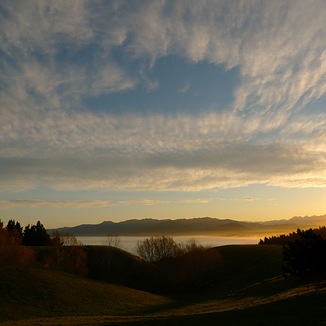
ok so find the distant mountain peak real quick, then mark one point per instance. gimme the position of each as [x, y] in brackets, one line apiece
[198, 225]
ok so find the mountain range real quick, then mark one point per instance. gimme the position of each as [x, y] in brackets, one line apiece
[194, 226]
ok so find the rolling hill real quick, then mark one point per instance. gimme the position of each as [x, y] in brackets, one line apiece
[247, 288]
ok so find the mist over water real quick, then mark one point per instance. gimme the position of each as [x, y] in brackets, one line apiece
[128, 243]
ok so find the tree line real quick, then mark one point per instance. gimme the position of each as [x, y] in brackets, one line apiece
[33, 235]
[292, 236]
[304, 252]
[33, 245]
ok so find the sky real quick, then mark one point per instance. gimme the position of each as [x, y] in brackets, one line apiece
[114, 110]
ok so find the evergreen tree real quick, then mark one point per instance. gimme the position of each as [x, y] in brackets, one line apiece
[306, 255]
[15, 230]
[36, 235]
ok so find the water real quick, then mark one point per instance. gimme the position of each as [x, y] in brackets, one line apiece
[129, 243]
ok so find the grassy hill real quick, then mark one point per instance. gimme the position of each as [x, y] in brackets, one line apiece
[245, 287]
[33, 292]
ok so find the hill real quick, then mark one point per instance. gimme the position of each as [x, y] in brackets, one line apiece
[204, 225]
[35, 293]
[245, 288]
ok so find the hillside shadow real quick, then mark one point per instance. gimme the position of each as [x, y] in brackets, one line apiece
[300, 310]
[268, 290]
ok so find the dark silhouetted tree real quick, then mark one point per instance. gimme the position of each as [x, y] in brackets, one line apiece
[15, 231]
[283, 239]
[10, 250]
[3, 235]
[36, 235]
[305, 255]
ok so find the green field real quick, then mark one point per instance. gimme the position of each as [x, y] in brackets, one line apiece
[245, 287]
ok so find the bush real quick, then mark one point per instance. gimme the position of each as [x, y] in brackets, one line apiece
[16, 255]
[157, 248]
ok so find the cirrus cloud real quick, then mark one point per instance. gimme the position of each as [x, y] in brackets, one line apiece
[57, 55]
[32, 203]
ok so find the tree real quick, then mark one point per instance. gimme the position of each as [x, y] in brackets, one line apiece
[64, 239]
[306, 255]
[15, 231]
[36, 235]
[192, 245]
[113, 241]
[10, 251]
[8, 237]
[67, 253]
[3, 235]
[157, 248]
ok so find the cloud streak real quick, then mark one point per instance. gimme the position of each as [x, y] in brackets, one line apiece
[35, 203]
[248, 199]
[143, 202]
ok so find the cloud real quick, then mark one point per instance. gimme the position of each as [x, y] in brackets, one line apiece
[57, 54]
[32, 203]
[87, 151]
[248, 198]
[50, 59]
[195, 201]
[279, 47]
[185, 88]
[142, 202]
[281, 60]
[241, 199]
[279, 55]
[213, 167]
[26, 24]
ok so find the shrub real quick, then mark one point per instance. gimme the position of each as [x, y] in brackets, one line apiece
[17, 255]
[157, 248]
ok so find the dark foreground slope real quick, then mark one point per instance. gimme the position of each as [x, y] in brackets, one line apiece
[245, 288]
[32, 292]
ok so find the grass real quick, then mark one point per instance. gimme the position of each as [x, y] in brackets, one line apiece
[247, 288]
